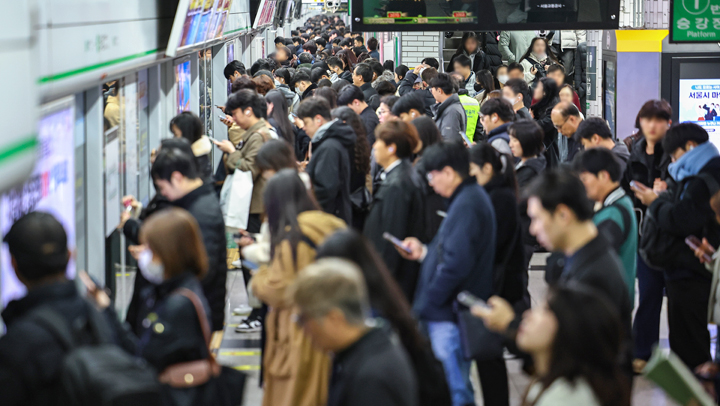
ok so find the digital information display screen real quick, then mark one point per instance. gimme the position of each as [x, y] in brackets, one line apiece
[700, 104]
[482, 15]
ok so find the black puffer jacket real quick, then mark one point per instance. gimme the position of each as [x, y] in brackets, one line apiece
[639, 169]
[493, 56]
[330, 168]
[581, 71]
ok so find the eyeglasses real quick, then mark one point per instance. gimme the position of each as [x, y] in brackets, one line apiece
[557, 127]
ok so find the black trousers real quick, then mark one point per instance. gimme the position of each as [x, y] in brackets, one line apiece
[494, 382]
[687, 319]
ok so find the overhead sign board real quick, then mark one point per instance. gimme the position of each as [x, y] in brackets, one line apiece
[695, 21]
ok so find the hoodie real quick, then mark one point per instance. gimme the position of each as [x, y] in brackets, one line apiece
[450, 118]
[292, 98]
[386, 75]
[406, 86]
[330, 168]
[500, 139]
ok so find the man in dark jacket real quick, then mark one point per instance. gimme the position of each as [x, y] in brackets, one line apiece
[329, 167]
[176, 177]
[685, 211]
[566, 118]
[333, 305]
[448, 113]
[460, 258]
[426, 74]
[362, 78]
[303, 85]
[30, 356]
[353, 97]
[496, 116]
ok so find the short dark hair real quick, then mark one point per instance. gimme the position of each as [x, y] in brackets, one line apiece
[284, 73]
[519, 86]
[171, 160]
[410, 101]
[679, 134]
[232, 67]
[260, 64]
[359, 39]
[428, 75]
[324, 83]
[297, 39]
[349, 94]
[314, 106]
[372, 44]
[347, 42]
[334, 61]
[463, 61]
[389, 65]
[305, 58]
[320, 41]
[554, 68]
[247, 98]
[340, 85]
[310, 47]
[189, 125]
[316, 74]
[327, 93]
[444, 82]
[654, 109]
[402, 134]
[530, 136]
[365, 71]
[376, 66]
[596, 160]
[432, 62]
[514, 65]
[401, 71]
[452, 154]
[389, 100]
[300, 76]
[279, 40]
[385, 88]
[38, 242]
[498, 106]
[560, 186]
[243, 82]
[592, 126]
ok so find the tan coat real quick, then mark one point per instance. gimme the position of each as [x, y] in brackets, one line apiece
[244, 159]
[295, 372]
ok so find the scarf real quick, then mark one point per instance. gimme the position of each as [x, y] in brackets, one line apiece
[692, 161]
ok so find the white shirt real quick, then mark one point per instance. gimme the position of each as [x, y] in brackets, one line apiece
[563, 393]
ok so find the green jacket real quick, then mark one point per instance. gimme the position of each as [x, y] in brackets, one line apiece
[612, 223]
[472, 111]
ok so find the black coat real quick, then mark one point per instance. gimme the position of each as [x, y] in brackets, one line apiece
[479, 62]
[397, 209]
[433, 203]
[406, 86]
[309, 92]
[330, 168]
[525, 175]
[347, 75]
[372, 98]
[639, 168]
[493, 56]
[361, 373]
[30, 356]
[370, 120]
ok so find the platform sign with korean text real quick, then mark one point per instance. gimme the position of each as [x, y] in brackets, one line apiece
[695, 21]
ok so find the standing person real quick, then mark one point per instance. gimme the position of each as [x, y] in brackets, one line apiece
[330, 165]
[459, 258]
[397, 206]
[494, 172]
[359, 165]
[284, 78]
[353, 97]
[337, 66]
[387, 301]
[434, 203]
[486, 85]
[490, 45]
[557, 73]
[333, 307]
[384, 112]
[362, 78]
[248, 109]
[501, 76]
[546, 94]
[565, 44]
[517, 92]
[536, 61]
[372, 45]
[496, 116]
[303, 84]
[294, 373]
[463, 66]
[600, 171]
[683, 212]
[187, 125]
[595, 133]
[566, 118]
[422, 75]
[278, 116]
[449, 114]
[648, 164]
[470, 48]
[513, 44]
[473, 131]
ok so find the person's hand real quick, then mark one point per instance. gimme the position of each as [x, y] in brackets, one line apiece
[130, 200]
[222, 108]
[228, 121]
[416, 249]
[302, 165]
[659, 186]
[533, 70]
[224, 145]
[153, 155]
[135, 250]
[94, 293]
[299, 123]
[245, 240]
[704, 249]
[419, 68]
[124, 217]
[643, 193]
[547, 67]
[498, 317]
[708, 371]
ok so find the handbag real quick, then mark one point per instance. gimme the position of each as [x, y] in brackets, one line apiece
[214, 384]
[235, 198]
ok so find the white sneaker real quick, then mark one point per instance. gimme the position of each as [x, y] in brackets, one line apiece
[237, 264]
[242, 310]
[246, 326]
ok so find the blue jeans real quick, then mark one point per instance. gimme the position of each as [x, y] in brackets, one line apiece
[445, 342]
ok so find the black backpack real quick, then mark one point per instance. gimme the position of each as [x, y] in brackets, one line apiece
[659, 249]
[99, 373]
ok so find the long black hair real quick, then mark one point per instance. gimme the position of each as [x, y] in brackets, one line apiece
[548, 51]
[549, 99]
[280, 115]
[466, 36]
[587, 344]
[502, 164]
[189, 125]
[385, 294]
[485, 79]
[285, 197]
[362, 146]
[428, 132]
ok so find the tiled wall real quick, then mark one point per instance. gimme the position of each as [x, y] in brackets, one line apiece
[416, 46]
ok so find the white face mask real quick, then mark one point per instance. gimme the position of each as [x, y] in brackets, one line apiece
[502, 78]
[153, 272]
[511, 100]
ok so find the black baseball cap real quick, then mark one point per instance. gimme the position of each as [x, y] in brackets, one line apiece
[38, 240]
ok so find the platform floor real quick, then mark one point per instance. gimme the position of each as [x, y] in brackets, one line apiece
[242, 350]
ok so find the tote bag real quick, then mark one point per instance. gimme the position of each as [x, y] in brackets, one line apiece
[235, 198]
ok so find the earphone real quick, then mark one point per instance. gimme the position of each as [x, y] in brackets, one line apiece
[391, 149]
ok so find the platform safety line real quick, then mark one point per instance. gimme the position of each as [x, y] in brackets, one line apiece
[240, 353]
[247, 367]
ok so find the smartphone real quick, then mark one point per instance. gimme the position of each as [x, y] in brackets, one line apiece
[222, 116]
[238, 236]
[396, 242]
[249, 265]
[694, 243]
[470, 300]
[636, 185]
[465, 137]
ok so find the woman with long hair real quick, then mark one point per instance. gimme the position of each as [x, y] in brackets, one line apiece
[537, 59]
[387, 301]
[278, 115]
[470, 46]
[360, 157]
[574, 339]
[187, 125]
[294, 372]
[329, 94]
[485, 83]
[348, 59]
[429, 135]
[546, 96]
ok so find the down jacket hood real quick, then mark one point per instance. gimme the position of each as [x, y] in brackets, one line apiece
[386, 75]
[202, 146]
[335, 129]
